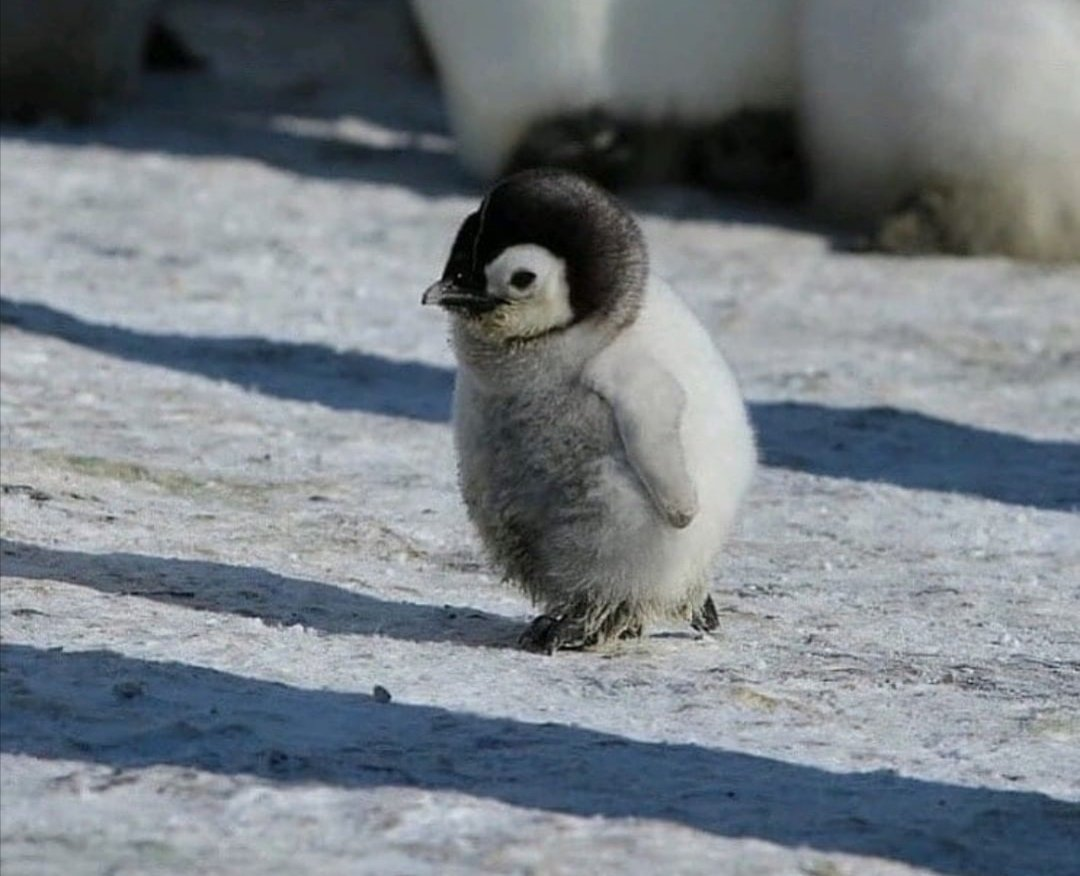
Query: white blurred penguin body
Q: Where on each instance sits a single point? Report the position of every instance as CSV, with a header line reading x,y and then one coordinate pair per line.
x,y
955,124
507,65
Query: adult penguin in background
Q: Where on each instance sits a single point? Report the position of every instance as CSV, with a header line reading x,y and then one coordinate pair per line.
x,y
946,126
624,91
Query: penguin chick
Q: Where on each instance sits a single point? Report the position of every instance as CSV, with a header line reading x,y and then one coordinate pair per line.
x,y
603,444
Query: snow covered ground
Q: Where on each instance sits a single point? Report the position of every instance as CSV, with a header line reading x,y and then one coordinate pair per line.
x,y
246,628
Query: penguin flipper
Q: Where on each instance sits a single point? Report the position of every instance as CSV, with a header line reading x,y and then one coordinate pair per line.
x,y
648,404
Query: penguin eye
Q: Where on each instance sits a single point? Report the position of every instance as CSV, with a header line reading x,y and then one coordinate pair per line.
x,y
522,279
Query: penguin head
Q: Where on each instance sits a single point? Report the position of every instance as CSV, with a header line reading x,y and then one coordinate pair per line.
x,y
545,251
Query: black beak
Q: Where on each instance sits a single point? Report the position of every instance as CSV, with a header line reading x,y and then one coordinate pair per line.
x,y
446,293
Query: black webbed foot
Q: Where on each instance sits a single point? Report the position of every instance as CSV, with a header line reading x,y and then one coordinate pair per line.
x,y
705,619
923,223
550,633
591,143
753,153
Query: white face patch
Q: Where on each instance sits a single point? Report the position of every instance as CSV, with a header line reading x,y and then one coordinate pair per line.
x,y
532,280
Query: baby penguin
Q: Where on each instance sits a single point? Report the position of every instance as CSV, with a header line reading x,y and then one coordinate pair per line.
x,y
603,444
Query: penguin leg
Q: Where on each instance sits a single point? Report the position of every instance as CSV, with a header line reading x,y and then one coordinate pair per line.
x,y
549,632
612,151
706,618
592,143
623,621
581,625
753,153
923,223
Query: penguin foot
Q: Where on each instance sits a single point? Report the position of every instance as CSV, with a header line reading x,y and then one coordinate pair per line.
x,y
705,619
753,153
548,633
591,143
921,225
612,151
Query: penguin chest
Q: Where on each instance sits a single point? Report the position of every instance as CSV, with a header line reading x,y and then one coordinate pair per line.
x,y
544,477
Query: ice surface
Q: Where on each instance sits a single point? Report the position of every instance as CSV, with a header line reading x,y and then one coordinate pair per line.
x,y
229,512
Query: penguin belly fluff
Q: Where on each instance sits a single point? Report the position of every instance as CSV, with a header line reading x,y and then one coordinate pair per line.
x,y
603,444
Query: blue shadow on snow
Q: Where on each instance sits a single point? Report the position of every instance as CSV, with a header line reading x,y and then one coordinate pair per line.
x,y
876,444
125,713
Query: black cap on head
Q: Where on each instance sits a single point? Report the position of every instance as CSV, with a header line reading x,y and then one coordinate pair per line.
x,y
573,218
